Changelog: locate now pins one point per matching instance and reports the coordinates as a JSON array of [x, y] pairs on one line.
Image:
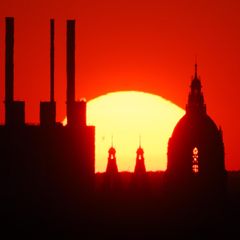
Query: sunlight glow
[[126, 116]]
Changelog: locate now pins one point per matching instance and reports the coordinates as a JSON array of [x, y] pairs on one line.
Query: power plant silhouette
[[48, 180]]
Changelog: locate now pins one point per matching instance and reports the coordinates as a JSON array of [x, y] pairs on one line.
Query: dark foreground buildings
[[48, 164], [49, 186]]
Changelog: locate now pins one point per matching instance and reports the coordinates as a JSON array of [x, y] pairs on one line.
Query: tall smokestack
[[76, 110], [52, 60], [48, 109], [14, 110], [70, 70], [9, 41]]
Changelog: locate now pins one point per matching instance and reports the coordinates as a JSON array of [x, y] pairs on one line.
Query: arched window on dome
[[195, 167]]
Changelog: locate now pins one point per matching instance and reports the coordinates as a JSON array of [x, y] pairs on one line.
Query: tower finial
[[196, 66], [112, 141], [140, 140]]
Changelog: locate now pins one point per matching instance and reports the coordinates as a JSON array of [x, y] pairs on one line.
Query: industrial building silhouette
[[47, 159], [48, 180]]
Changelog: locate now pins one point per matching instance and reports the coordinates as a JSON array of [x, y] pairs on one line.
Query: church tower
[[111, 179], [112, 168], [140, 165], [196, 149]]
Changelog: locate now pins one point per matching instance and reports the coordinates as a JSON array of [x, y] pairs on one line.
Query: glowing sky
[[140, 45]]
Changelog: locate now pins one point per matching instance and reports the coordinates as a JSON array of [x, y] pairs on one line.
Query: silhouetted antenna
[[52, 60]]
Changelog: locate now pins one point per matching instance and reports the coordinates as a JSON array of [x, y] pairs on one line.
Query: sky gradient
[[138, 45]]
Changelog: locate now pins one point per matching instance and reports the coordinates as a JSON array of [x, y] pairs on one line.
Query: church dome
[[198, 127], [196, 147]]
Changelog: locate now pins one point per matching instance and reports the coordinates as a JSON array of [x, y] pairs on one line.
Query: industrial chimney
[[76, 110], [52, 60], [48, 109], [9, 60], [14, 110]]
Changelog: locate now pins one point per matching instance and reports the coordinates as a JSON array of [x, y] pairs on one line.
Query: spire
[[195, 98], [196, 68], [140, 165], [196, 83], [112, 163]]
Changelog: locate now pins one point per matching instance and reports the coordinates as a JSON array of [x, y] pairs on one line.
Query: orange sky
[[145, 45]]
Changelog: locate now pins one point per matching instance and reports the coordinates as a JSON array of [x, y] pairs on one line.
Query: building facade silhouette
[[47, 171], [47, 158]]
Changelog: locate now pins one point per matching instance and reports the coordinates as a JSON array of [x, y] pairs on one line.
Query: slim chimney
[[14, 110], [52, 60], [48, 109], [9, 60], [76, 110], [70, 70]]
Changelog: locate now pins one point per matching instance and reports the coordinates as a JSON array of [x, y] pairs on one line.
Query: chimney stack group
[[15, 110]]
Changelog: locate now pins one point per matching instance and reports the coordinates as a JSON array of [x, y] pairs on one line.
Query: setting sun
[[126, 117]]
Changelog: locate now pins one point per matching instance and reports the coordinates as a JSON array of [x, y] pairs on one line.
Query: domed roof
[[198, 125], [196, 144]]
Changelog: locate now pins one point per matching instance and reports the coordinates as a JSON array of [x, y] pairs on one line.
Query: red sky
[[145, 45]]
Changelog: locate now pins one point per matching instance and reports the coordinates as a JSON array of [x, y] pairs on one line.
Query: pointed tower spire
[[196, 69], [112, 162], [140, 164], [195, 98]]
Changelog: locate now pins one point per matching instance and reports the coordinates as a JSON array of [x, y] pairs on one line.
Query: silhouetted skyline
[[145, 46], [48, 181]]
